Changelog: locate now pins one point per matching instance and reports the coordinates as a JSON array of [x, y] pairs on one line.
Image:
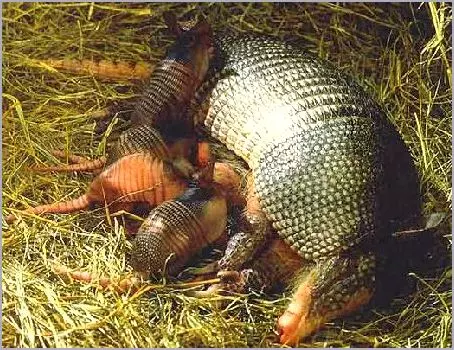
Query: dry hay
[[400, 52]]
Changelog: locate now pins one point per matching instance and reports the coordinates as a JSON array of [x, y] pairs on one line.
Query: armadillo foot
[[234, 282], [229, 276], [334, 288], [243, 246], [231, 282], [122, 110]]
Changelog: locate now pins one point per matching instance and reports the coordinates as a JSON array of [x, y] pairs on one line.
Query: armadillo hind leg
[[79, 164], [331, 289], [243, 245], [121, 110]]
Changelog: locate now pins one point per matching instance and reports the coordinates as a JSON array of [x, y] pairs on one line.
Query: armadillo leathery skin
[[329, 168]]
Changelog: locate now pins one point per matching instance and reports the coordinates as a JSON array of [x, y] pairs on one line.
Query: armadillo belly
[[329, 169]]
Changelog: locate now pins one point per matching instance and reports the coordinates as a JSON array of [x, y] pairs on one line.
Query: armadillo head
[[193, 47], [178, 229]]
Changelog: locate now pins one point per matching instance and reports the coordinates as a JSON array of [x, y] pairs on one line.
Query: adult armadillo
[[328, 170]]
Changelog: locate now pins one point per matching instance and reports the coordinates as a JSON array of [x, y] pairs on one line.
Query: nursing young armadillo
[[178, 229], [172, 83], [140, 169], [135, 179], [329, 172]]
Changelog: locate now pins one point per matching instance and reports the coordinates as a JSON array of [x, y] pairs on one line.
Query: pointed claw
[[205, 270], [229, 276], [213, 290]]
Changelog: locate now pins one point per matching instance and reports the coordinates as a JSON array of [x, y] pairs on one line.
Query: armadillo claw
[[287, 328], [230, 282], [292, 327], [228, 277]]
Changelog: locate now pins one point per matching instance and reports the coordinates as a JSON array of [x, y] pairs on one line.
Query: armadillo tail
[[72, 158], [89, 165], [73, 205], [103, 69], [123, 285]]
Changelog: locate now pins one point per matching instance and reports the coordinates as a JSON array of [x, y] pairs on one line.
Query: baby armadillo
[[173, 81], [177, 229], [141, 169], [180, 228], [133, 179]]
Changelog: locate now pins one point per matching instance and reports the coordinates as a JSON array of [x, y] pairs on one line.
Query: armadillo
[[133, 179], [173, 82], [177, 229], [141, 168], [329, 172], [169, 90]]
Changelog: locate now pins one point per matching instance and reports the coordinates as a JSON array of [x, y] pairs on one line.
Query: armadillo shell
[[137, 140], [170, 235], [329, 168], [167, 91]]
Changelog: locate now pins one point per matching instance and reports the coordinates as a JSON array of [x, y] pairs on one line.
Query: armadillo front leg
[[332, 288], [243, 245], [275, 266]]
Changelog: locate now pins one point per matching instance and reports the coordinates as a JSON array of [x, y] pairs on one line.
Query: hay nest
[[400, 52]]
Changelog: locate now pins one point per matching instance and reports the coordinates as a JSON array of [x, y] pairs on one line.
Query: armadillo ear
[[205, 175], [170, 20], [204, 156], [202, 27]]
